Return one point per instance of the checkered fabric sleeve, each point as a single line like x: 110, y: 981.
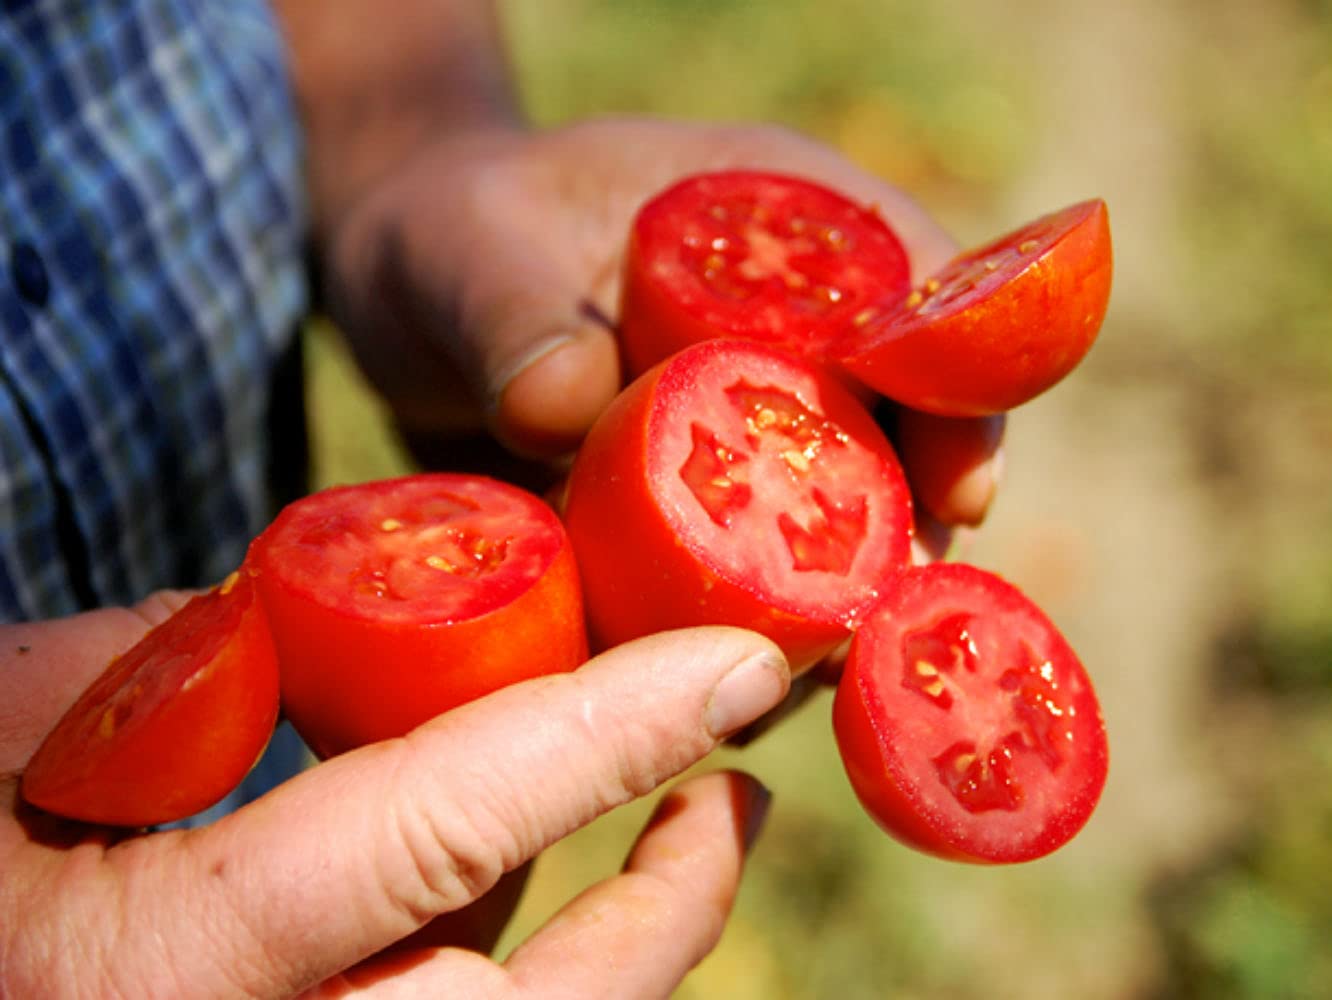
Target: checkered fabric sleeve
x: 151, y: 274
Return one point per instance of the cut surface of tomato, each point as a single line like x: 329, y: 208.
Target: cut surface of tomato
x: 755, y: 491
x: 172, y: 725
x: 967, y: 725
x: 395, y: 600
x: 757, y: 255
x: 997, y: 326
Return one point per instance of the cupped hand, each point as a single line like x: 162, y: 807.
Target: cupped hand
x: 303, y: 889
x: 478, y: 283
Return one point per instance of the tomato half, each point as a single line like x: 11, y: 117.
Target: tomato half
x: 393, y: 601
x: 756, y: 255
x: 997, y: 326
x: 172, y: 725
x: 735, y: 484
x: 966, y: 723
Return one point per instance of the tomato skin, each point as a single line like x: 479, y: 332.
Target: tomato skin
x: 641, y: 571
x: 1003, y: 325
x: 351, y: 676
x: 172, y: 725
x: 892, y: 740
x: 798, y: 262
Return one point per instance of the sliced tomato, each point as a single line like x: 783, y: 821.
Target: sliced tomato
x: 967, y: 725
x: 756, y: 255
x: 172, y: 725
x: 736, y: 484
x: 393, y: 601
x: 997, y: 326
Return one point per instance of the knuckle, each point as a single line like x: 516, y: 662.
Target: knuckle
x: 446, y: 853
x: 640, y: 749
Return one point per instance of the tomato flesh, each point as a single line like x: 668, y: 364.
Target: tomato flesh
x: 967, y: 725
x: 757, y: 491
x: 396, y: 600
x: 172, y: 725
x: 755, y: 255
x: 997, y: 326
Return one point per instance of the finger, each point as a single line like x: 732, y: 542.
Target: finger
x: 46, y: 665
x: 635, y: 935
x: 546, y: 400
x: 932, y: 540
x: 477, y: 926
x: 953, y: 463
x: 638, y: 934
x: 378, y: 841
x: 545, y: 360
x: 507, y: 292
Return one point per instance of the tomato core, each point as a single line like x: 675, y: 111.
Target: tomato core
x: 942, y: 664
x: 966, y: 723
x: 797, y: 502
x: 416, y: 550
x: 740, y: 250
x: 753, y: 255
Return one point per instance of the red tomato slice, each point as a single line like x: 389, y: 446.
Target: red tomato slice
x: 754, y: 255
x: 172, y: 725
x: 967, y: 725
x: 735, y: 484
x: 393, y: 601
x: 999, y: 325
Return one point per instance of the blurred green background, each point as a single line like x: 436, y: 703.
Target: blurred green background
x: 1170, y: 504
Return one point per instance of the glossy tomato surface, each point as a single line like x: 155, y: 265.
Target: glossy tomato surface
x: 997, y: 326
x: 395, y: 600
x: 172, y: 725
x: 967, y: 724
x: 735, y: 484
x: 749, y: 254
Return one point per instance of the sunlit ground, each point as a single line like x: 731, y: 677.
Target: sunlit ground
x: 1170, y: 505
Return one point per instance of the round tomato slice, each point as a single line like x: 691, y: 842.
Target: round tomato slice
x: 393, y: 601
x: 967, y: 725
x: 997, y: 326
x: 736, y: 484
x: 172, y: 725
x: 756, y: 255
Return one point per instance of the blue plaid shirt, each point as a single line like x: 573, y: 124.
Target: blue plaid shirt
x: 151, y: 276
x: 151, y: 280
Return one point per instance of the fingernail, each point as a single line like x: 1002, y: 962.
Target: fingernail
x: 750, y: 689
x: 760, y: 800
x: 545, y: 403
x: 501, y: 380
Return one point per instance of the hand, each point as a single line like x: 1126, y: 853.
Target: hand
x: 304, y: 888
x: 474, y: 263
x: 478, y: 282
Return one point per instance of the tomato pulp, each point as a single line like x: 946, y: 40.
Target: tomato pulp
x: 997, y: 326
x: 735, y: 484
x: 967, y: 725
x: 756, y: 255
x: 172, y: 725
x: 395, y: 600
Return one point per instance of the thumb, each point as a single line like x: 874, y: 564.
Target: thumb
x: 363, y: 849
x: 547, y: 405
x: 467, y: 266
x: 529, y: 288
